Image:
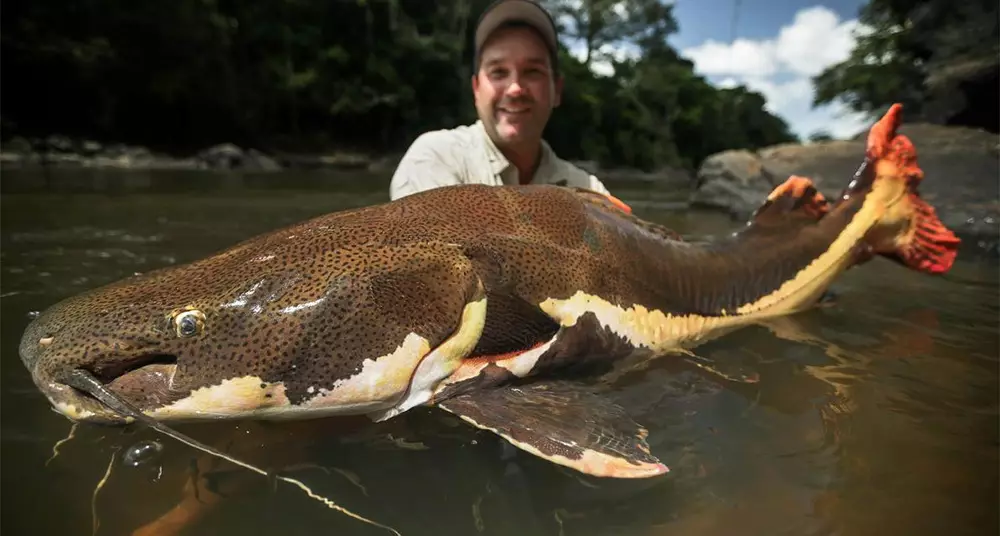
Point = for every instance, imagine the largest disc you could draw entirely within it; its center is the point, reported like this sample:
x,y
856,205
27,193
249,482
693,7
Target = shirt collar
x,y
499,163
497,160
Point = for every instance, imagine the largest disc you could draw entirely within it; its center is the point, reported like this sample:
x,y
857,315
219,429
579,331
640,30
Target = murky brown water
x,y
882,419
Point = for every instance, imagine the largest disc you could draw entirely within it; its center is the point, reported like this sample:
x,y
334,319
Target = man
x,y
516,84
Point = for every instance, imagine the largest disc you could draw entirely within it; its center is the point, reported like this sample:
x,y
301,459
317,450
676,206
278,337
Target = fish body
x,y
484,301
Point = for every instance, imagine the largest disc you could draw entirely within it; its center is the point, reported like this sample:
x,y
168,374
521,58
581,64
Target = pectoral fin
x,y
563,423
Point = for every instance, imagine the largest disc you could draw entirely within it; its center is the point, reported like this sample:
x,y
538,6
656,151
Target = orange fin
x,y
922,242
797,196
619,203
885,144
930,247
606,198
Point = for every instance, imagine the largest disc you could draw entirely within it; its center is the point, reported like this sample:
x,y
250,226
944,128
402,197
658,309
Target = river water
x,y
881,418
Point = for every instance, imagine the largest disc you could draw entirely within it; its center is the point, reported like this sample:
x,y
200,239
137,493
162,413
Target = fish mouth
x,y
143,380
118,371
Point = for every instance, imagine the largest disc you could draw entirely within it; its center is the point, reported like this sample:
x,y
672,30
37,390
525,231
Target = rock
x,y
65,160
59,144
342,161
258,161
733,181
59,150
960,164
222,156
11,158
90,147
17,145
345,161
114,150
227,156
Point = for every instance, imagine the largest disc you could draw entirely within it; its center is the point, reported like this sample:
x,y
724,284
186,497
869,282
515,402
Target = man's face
x,y
514,88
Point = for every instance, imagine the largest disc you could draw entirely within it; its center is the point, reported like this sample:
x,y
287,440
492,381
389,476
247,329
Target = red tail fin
x,y
931,247
920,241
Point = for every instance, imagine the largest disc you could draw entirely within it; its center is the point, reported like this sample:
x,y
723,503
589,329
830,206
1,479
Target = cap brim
x,y
516,10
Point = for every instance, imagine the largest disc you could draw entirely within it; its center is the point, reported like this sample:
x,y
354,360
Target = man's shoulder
x,y
435,158
569,168
444,140
566,173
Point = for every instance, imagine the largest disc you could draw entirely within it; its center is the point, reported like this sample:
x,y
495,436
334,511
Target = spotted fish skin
x,y
379,309
305,306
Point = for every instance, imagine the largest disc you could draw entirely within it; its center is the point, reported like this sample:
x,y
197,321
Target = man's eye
x,y
498,73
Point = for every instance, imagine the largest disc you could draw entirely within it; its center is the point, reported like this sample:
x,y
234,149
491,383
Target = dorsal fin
x,y
604,199
613,204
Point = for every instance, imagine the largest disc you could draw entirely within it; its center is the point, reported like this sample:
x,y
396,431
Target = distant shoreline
x,y
62,152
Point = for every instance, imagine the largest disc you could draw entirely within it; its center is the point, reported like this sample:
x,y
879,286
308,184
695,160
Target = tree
x,y
311,75
912,52
606,28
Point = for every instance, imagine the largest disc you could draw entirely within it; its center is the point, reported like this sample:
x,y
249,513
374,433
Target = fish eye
x,y
189,323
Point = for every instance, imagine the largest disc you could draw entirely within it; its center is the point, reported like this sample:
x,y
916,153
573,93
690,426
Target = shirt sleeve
x,y
596,185
428,163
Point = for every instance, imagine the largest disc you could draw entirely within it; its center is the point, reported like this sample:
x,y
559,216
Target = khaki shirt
x,y
467,155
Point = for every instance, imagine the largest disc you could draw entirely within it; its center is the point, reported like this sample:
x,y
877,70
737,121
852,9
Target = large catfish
x,y
488,302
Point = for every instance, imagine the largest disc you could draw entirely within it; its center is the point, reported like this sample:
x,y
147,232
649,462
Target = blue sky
x,y
779,45
702,20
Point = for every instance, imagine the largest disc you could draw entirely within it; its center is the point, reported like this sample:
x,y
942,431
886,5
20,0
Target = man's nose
x,y
515,89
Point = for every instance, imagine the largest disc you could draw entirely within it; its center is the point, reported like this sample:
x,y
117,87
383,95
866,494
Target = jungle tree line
x,y
940,58
308,75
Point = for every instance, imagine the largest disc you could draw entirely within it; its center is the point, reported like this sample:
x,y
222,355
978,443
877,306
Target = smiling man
x,y
516,84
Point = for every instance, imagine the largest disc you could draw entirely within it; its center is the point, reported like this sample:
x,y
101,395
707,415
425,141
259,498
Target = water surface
x,y
880,418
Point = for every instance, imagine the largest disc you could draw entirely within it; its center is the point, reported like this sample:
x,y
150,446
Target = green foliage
x,y
305,75
907,44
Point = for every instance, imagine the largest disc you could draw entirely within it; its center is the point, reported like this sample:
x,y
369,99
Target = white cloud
x,y
598,63
815,40
741,57
780,69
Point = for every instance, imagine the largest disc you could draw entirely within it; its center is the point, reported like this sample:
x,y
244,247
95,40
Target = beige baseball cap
x,y
526,11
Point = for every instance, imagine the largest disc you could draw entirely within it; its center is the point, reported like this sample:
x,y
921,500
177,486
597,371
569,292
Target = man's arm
x,y
428,163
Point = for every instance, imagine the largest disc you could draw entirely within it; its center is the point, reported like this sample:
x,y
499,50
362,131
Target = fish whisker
x,y
83,380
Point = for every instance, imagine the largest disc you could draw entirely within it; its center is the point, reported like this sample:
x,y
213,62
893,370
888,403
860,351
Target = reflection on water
x,y
875,414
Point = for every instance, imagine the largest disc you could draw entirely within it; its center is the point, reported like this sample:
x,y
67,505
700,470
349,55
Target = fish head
x,y
281,327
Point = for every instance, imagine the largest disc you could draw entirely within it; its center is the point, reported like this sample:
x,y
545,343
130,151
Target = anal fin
x,y
564,423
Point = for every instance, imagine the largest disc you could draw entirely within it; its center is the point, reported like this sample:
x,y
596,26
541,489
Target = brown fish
x,y
488,302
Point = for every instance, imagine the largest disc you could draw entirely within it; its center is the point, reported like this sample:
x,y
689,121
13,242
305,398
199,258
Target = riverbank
x,y
61,151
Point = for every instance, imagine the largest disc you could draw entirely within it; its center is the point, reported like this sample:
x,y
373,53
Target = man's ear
x,y
557,93
475,82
